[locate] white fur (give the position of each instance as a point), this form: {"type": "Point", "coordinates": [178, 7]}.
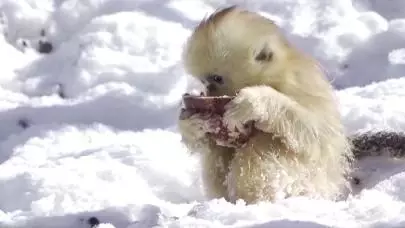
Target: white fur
{"type": "Point", "coordinates": [301, 148]}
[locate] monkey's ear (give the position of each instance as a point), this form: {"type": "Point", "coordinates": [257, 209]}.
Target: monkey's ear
{"type": "Point", "coordinates": [264, 55]}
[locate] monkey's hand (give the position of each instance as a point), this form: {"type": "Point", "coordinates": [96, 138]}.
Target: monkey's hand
{"type": "Point", "coordinates": [241, 110]}
{"type": "Point", "coordinates": [272, 112]}
{"type": "Point", "coordinates": [193, 129]}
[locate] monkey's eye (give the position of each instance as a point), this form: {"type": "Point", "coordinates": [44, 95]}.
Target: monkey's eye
{"type": "Point", "coordinates": [215, 78]}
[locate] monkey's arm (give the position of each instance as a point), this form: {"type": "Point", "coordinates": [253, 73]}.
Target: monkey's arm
{"type": "Point", "coordinates": [275, 113]}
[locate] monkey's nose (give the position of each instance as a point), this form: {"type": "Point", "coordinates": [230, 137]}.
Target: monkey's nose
{"type": "Point", "coordinates": [211, 88]}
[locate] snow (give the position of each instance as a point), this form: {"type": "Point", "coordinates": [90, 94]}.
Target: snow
{"type": "Point", "coordinates": [89, 129]}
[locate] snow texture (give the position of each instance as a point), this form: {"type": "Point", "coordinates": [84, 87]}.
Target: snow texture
{"type": "Point", "coordinates": [90, 93]}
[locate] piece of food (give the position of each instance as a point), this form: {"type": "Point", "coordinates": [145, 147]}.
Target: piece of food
{"type": "Point", "coordinates": [210, 104]}
{"type": "Point", "coordinates": [213, 107]}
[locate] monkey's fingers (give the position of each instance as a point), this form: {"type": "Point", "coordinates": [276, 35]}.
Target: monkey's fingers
{"type": "Point", "coordinates": [185, 114]}
{"type": "Point", "coordinates": [224, 137]}
{"type": "Point", "coordinates": [188, 113]}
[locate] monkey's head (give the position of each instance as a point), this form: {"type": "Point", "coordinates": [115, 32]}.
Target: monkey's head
{"type": "Point", "coordinates": [233, 48]}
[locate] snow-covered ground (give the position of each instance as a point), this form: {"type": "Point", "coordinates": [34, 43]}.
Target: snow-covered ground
{"type": "Point", "coordinates": [89, 129]}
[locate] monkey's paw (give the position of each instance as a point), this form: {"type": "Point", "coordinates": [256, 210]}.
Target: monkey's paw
{"type": "Point", "coordinates": [193, 127]}
{"type": "Point", "coordinates": [240, 112]}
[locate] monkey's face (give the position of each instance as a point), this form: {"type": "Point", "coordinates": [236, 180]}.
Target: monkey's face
{"type": "Point", "coordinates": [237, 51]}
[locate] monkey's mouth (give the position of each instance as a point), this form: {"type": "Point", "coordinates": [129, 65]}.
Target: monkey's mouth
{"type": "Point", "coordinates": [211, 89]}
{"type": "Point", "coordinates": [215, 91]}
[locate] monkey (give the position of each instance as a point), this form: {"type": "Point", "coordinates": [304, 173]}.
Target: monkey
{"type": "Point", "coordinates": [302, 147]}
